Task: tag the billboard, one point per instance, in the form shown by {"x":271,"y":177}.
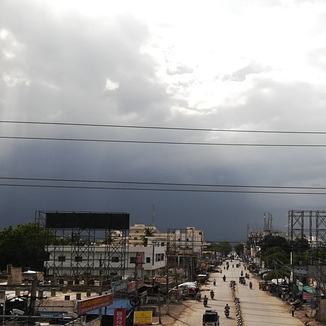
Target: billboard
{"x":87,"y":220}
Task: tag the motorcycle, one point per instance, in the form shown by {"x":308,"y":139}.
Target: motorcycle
{"x":250,"y":285}
{"x":212,"y":294}
{"x":205,"y":301}
{"x":224,"y":278}
{"x":227,"y":313}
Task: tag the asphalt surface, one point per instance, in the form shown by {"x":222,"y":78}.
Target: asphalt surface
{"x":257,"y":307}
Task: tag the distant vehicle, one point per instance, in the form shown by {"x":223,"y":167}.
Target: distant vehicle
{"x":211,"y":318}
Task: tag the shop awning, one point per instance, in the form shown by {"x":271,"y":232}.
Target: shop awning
{"x":307,"y":288}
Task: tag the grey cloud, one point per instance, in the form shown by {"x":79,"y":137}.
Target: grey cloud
{"x":317,"y":58}
{"x":180,"y":70}
{"x":70,"y":61}
{"x":241,"y":74}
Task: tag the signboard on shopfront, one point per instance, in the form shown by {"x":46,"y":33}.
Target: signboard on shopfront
{"x":119,"y":317}
{"x":87,"y":305}
{"x":143,"y":318}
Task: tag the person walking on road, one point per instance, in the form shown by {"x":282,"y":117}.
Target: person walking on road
{"x":292,"y":309}
{"x":205,"y":301}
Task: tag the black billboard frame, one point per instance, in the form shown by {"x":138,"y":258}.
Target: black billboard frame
{"x":87,"y":220}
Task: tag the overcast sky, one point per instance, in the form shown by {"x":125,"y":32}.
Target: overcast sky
{"x":195,"y":75}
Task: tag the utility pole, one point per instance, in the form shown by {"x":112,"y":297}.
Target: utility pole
{"x":167,"y":290}
{"x":33,"y":300}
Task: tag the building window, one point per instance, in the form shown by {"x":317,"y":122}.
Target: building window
{"x":162,"y":244}
{"x":148,"y":260}
{"x":133,"y":260}
{"x":115,"y":259}
{"x":62,"y":258}
{"x":78,"y":258}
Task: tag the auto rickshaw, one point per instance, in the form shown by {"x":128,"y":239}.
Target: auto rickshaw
{"x":202,"y":278}
{"x":211,"y":318}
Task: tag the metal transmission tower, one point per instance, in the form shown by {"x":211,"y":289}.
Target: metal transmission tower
{"x":85,"y":245}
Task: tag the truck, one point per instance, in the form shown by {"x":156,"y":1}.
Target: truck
{"x":211,"y":318}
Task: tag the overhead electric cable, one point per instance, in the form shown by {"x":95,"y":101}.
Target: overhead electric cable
{"x":162,"y":128}
{"x":159,"y":142}
{"x":161,"y":183}
{"x":162,"y":189}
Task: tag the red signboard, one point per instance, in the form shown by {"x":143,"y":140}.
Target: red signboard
{"x":139,"y":260}
{"x":307,"y":296}
{"x":131,"y":286}
{"x":119,"y":317}
{"x":87,"y":305}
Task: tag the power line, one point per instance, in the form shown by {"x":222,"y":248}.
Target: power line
{"x":163,"y":189}
{"x":162,"y":128}
{"x":90,"y":187}
{"x":159,"y":142}
{"x":161,"y":183}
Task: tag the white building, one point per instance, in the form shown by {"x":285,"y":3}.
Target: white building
{"x":138,"y":260}
{"x":124,"y":257}
{"x":186,"y":240}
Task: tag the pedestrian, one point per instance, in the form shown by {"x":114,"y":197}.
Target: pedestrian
{"x":292,"y":309}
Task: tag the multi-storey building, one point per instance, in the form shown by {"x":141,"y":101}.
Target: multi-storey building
{"x":138,"y":260}
{"x":119,"y":256}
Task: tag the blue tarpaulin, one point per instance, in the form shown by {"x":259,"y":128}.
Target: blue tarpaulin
{"x":117,"y":303}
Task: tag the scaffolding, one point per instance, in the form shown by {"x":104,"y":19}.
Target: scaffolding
{"x":310,"y":225}
{"x":184,"y":251}
{"x":84,"y":245}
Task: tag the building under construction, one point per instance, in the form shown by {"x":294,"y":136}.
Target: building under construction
{"x":184,"y":250}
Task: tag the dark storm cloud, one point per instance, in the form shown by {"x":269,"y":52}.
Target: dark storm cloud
{"x":73,"y":68}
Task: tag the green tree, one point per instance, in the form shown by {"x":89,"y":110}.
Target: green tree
{"x":223,"y":247}
{"x":148,"y":232}
{"x":23,"y":246}
{"x":238,"y":248}
{"x":275,"y":252}
{"x":279,"y":243}
{"x":300,"y":251}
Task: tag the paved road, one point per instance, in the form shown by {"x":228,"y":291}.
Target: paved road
{"x":258,"y":307}
{"x":193,"y":315}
